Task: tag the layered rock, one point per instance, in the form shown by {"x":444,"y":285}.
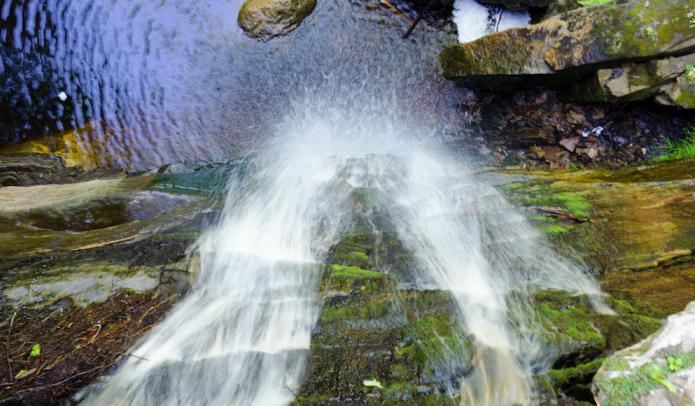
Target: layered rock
{"x":575,"y":44}
{"x":265,"y":19}
{"x":516,"y":5}
{"x":87,"y":268}
{"x":669,"y":80}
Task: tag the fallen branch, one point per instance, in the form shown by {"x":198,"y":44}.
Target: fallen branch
{"x":417,"y":20}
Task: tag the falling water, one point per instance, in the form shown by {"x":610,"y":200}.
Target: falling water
{"x":242,"y":336}
{"x":474,"y":20}
{"x":146,"y":83}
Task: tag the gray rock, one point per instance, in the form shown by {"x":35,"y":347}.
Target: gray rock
{"x":265,"y":19}
{"x":659,"y":370}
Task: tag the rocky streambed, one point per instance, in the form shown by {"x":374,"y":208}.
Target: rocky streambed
{"x":83,"y":289}
{"x":93,"y":257}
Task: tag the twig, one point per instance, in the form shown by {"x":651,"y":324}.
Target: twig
{"x":7,"y":345}
{"x":64,"y":380}
{"x":130,"y":354}
{"x":417,"y":20}
{"x":59,"y":310}
{"x":499,"y":20}
{"x":98,"y":326}
{"x":154,"y":307}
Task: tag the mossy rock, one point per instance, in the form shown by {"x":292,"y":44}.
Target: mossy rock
{"x":659,"y":368}
{"x":371,"y":329}
{"x":570,"y":45}
{"x":579,"y":338}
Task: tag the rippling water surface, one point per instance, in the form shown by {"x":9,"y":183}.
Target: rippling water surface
{"x":152,"y":82}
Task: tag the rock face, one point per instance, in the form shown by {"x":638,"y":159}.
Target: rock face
{"x":265,"y":19}
{"x":660,"y":370}
{"x":669,"y":80}
{"x":561,"y":6}
{"x":88,"y":267}
{"x":574,"y":45}
{"x":516,"y":5}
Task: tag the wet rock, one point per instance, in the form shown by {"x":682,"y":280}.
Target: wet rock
{"x":510,"y":126}
{"x":570,"y":144}
{"x":89,"y":205}
{"x":371,"y":328}
{"x":664,"y":79}
{"x":83,"y":283}
{"x":680,"y":93}
{"x":556,"y":157}
{"x":556,"y":7}
{"x":658,"y":370}
{"x":517,"y":5}
{"x":265,"y":19}
{"x":29,"y":169}
{"x":573,"y":44}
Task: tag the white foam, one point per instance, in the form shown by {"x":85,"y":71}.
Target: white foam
{"x":474,"y":20}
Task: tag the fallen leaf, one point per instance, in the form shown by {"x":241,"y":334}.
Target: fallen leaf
{"x":35,"y":350}
{"x":372,"y":383}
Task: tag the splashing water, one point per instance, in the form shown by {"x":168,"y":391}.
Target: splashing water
{"x":474,"y":20}
{"x":242,"y":336}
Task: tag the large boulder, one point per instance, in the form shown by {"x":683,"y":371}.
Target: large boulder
{"x":574,"y":44}
{"x":660,"y":370}
{"x":265,"y":19}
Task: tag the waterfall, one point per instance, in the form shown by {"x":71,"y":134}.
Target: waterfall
{"x":474,"y":20}
{"x":242,"y":336}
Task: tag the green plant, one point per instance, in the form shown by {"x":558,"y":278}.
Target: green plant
{"x":591,"y":3}
{"x":35,"y":351}
{"x":372,"y":383}
{"x":651,"y":34}
{"x":675,"y":364}
{"x":689,"y":74}
{"x":658,"y":375}
{"x":682,"y":149}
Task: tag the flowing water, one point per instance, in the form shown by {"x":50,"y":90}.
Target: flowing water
{"x":168,"y":81}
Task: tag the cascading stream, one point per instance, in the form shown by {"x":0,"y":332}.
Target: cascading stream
{"x":242,"y":336}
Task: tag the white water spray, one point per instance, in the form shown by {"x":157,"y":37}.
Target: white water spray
{"x":474,"y":20}
{"x":242,"y":336}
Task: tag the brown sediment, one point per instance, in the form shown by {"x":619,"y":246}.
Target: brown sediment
{"x":77,"y":344}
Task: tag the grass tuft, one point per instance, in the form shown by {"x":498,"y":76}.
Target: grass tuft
{"x":682,"y":149}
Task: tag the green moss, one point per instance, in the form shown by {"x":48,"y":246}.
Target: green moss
{"x":353,"y":272}
{"x":400,"y":391}
{"x":624,"y":389}
{"x":357,"y":258}
{"x":543,"y":194}
{"x":592,"y":3}
{"x":514,"y":186}
{"x":373,"y":309}
{"x":425,"y":327}
{"x":562,"y":377}
{"x":575,"y":203}
{"x":568,"y":316}
{"x":555,"y":229}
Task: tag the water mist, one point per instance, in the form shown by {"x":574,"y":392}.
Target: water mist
{"x":242,"y":336}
